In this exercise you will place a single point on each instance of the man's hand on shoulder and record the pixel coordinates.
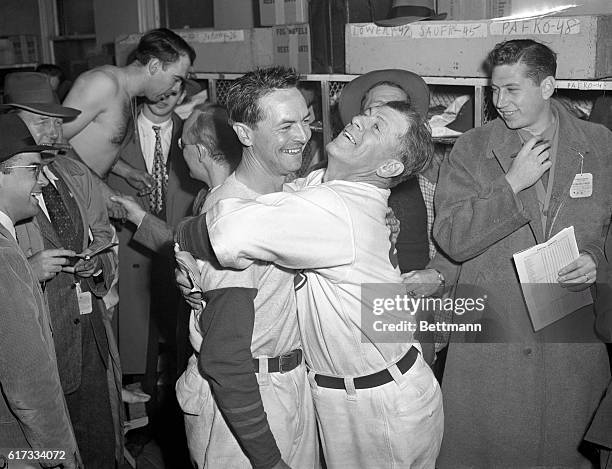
(529, 165)
(394, 225)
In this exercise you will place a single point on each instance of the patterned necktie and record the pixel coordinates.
(59, 214)
(156, 199)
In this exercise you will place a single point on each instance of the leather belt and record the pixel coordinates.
(282, 363)
(373, 380)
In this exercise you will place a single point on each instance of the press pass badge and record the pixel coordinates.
(582, 185)
(85, 306)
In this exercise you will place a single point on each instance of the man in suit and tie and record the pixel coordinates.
(33, 411)
(73, 219)
(148, 300)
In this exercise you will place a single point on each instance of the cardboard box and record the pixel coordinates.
(457, 10)
(292, 47)
(7, 54)
(234, 14)
(230, 51)
(278, 12)
(527, 7)
(20, 49)
(459, 48)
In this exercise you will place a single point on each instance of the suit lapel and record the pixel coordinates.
(505, 152)
(46, 229)
(133, 156)
(6, 234)
(570, 146)
(172, 166)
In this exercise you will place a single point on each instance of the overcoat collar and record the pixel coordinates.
(504, 145)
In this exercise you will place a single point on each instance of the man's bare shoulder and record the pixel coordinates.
(102, 82)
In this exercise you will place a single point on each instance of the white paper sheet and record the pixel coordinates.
(538, 269)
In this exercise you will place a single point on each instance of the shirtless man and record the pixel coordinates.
(104, 96)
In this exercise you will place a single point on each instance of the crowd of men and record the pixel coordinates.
(272, 347)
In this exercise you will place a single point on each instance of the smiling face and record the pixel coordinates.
(45, 130)
(520, 102)
(19, 186)
(365, 144)
(277, 141)
(164, 77)
(161, 110)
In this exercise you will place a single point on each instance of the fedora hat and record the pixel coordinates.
(409, 11)
(16, 139)
(32, 92)
(191, 87)
(414, 86)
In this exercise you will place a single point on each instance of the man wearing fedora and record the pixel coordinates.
(408, 11)
(33, 411)
(72, 219)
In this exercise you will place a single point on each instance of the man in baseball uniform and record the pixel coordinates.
(247, 341)
(378, 403)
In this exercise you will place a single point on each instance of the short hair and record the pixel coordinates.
(385, 83)
(52, 70)
(208, 125)
(164, 45)
(244, 94)
(415, 149)
(540, 60)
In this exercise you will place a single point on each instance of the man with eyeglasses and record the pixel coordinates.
(105, 97)
(33, 413)
(72, 219)
(152, 307)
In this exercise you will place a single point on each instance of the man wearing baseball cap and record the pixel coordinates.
(72, 219)
(33, 412)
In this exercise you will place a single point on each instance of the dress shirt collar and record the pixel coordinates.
(146, 122)
(8, 224)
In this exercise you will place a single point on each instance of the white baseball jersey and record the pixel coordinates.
(337, 232)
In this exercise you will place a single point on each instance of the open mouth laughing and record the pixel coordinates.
(349, 136)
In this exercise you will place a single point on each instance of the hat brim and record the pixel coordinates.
(465, 118)
(46, 109)
(191, 87)
(402, 20)
(414, 86)
(46, 152)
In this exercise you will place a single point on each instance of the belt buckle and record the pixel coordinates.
(286, 362)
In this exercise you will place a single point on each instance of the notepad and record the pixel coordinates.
(101, 249)
(538, 268)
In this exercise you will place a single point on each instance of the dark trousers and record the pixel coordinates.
(89, 406)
